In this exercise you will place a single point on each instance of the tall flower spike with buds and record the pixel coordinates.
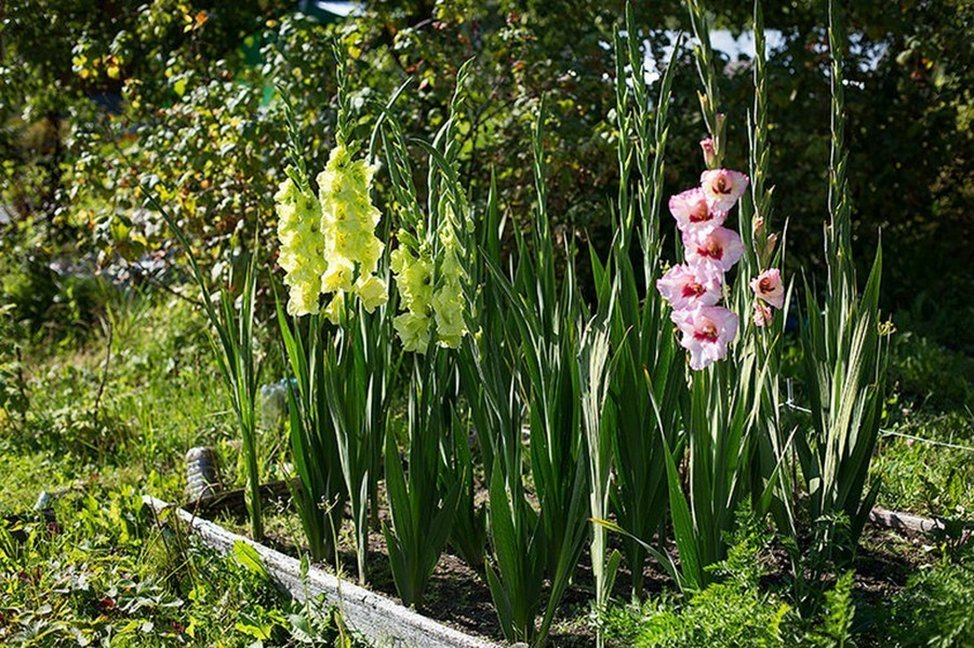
(430, 309)
(414, 278)
(694, 289)
(302, 246)
(348, 222)
(448, 302)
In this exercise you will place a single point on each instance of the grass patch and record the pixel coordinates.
(105, 572)
(924, 477)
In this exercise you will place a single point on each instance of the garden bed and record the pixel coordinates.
(458, 597)
(459, 612)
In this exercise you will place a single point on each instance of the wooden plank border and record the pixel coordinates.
(379, 619)
(901, 521)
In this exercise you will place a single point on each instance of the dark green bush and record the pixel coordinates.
(180, 93)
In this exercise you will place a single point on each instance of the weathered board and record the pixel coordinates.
(904, 521)
(380, 620)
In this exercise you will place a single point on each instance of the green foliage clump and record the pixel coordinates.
(730, 612)
(833, 630)
(48, 298)
(935, 608)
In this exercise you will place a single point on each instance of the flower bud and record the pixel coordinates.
(709, 154)
(758, 226)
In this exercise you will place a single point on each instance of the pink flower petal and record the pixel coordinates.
(768, 286)
(707, 330)
(686, 286)
(721, 247)
(723, 187)
(692, 212)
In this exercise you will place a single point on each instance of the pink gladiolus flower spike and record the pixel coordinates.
(692, 212)
(706, 332)
(686, 286)
(723, 187)
(721, 247)
(768, 286)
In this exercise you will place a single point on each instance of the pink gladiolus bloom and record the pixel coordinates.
(723, 187)
(692, 212)
(762, 315)
(686, 286)
(709, 154)
(721, 247)
(706, 333)
(768, 287)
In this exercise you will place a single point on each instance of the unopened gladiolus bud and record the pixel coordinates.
(706, 332)
(689, 286)
(762, 314)
(721, 247)
(704, 102)
(770, 246)
(768, 286)
(693, 213)
(758, 226)
(709, 154)
(431, 287)
(723, 187)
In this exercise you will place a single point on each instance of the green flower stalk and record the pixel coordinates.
(344, 374)
(434, 301)
(414, 277)
(348, 222)
(302, 246)
(424, 491)
(449, 303)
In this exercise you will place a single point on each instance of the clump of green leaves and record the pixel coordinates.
(935, 608)
(14, 399)
(926, 374)
(834, 628)
(732, 611)
(845, 351)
